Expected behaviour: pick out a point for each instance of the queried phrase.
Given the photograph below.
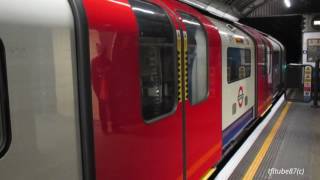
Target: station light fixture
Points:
(287, 3)
(316, 22)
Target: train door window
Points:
(276, 59)
(197, 59)
(1, 133)
(265, 62)
(2, 130)
(269, 60)
(157, 60)
(239, 64)
(269, 65)
(4, 111)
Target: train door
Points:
(269, 63)
(201, 91)
(276, 73)
(39, 72)
(203, 133)
(135, 50)
(264, 77)
(276, 66)
(283, 64)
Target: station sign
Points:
(307, 81)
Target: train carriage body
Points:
(263, 71)
(42, 114)
(137, 115)
(238, 79)
(127, 89)
(202, 85)
(277, 55)
(276, 76)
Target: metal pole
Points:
(316, 84)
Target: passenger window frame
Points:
(174, 61)
(239, 79)
(179, 12)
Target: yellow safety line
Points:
(251, 171)
(264, 112)
(208, 174)
(203, 159)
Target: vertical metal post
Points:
(316, 84)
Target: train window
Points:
(268, 63)
(276, 59)
(265, 62)
(197, 59)
(1, 134)
(2, 130)
(4, 107)
(157, 60)
(239, 64)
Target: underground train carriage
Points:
(171, 88)
(194, 83)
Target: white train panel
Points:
(238, 78)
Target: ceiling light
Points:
(194, 3)
(316, 22)
(287, 3)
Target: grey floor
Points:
(295, 148)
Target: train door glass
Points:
(197, 59)
(265, 61)
(1, 119)
(157, 61)
(4, 112)
(276, 59)
(269, 64)
(276, 70)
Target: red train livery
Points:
(173, 87)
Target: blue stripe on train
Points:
(235, 128)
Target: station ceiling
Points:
(245, 8)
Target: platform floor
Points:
(288, 147)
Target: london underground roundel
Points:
(240, 96)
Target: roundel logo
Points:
(240, 96)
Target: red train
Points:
(173, 87)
